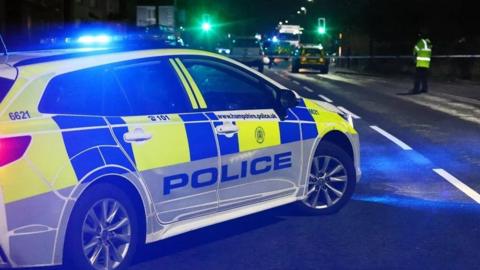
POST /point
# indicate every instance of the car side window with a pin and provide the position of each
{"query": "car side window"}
(227, 87)
(126, 89)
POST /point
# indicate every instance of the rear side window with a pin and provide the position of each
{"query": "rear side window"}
(126, 89)
(5, 85)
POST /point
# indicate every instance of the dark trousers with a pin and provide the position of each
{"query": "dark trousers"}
(421, 80)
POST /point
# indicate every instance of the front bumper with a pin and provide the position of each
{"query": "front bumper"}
(313, 66)
(355, 141)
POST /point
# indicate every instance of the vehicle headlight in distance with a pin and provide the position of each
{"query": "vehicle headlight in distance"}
(266, 60)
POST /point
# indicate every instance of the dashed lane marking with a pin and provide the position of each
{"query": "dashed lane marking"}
(308, 89)
(296, 82)
(354, 116)
(458, 184)
(326, 99)
(392, 138)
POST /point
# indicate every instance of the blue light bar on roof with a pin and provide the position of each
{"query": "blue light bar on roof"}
(98, 39)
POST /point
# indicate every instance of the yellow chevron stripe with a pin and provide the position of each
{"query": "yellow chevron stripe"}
(185, 85)
(198, 94)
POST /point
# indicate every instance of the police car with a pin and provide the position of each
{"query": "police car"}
(102, 152)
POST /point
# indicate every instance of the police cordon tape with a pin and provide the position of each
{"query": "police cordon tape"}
(385, 56)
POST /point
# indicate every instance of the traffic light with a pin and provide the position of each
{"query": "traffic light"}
(322, 26)
(206, 24)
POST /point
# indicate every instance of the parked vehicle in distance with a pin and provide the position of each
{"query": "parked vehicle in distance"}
(310, 57)
(248, 51)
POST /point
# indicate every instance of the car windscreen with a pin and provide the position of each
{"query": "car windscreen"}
(5, 85)
(246, 43)
(312, 52)
(289, 37)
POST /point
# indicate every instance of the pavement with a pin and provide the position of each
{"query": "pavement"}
(462, 90)
(416, 207)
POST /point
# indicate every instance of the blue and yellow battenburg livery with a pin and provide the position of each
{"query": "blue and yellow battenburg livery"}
(183, 170)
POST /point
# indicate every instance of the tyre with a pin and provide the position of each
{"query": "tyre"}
(332, 180)
(103, 231)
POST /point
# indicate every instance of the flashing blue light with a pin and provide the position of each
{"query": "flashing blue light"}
(275, 39)
(99, 39)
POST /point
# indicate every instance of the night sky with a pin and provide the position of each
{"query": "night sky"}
(392, 21)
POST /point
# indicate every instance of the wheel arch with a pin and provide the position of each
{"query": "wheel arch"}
(335, 137)
(126, 182)
(339, 139)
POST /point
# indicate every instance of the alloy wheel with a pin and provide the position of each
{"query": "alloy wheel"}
(106, 234)
(327, 182)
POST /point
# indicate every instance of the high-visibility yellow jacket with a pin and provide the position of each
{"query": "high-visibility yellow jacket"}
(423, 53)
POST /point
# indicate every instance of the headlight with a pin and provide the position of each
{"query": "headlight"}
(332, 108)
(348, 117)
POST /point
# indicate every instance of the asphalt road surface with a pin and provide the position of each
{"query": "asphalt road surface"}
(416, 207)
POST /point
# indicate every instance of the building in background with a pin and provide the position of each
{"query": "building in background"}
(93, 10)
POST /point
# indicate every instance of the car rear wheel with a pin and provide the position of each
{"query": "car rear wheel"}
(103, 231)
(332, 180)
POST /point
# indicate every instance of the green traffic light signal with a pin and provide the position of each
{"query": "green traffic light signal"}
(206, 26)
(322, 26)
(206, 22)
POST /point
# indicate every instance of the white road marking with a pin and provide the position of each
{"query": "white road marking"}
(354, 116)
(308, 89)
(458, 184)
(326, 99)
(392, 138)
(295, 82)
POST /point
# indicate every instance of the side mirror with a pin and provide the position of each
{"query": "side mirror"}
(286, 100)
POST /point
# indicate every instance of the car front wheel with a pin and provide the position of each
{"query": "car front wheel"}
(331, 181)
(103, 231)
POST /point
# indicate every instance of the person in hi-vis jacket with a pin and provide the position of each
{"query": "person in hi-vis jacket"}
(423, 54)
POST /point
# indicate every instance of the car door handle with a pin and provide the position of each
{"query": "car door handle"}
(138, 135)
(227, 129)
